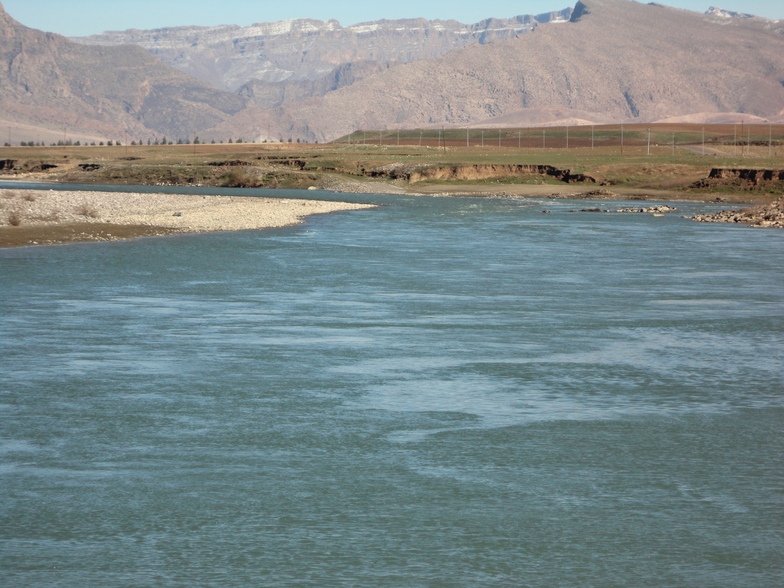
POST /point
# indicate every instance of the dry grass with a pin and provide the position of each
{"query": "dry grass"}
(14, 218)
(241, 178)
(88, 210)
(665, 167)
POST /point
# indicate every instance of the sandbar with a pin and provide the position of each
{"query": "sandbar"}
(47, 217)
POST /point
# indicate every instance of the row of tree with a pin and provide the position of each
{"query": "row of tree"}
(61, 143)
(196, 141)
(156, 141)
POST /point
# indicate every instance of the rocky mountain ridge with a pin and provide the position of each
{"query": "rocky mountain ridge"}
(229, 56)
(612, 61)
(615, 60)
(720, 12)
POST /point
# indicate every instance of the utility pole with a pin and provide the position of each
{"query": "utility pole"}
(499, 137)
(518, 139)
(703, 140)
(483, 137)
(673, 143)
(649, 140)
(468, 139)
(544, 141)
(591, 137)
(770, 138)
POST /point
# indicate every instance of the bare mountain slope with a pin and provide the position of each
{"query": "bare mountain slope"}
(306, 50)
(274, 94)
(50, 83)
(614, 60)
(619, 59)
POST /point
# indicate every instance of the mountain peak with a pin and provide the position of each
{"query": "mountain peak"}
(580, 10)
(714, 11)
(43, 85)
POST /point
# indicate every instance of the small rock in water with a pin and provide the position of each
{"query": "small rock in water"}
(651, 209)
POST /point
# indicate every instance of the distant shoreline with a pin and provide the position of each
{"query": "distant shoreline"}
(341, 184)
(658, 172)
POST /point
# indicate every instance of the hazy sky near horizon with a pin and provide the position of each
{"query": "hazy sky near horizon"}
(86, 17)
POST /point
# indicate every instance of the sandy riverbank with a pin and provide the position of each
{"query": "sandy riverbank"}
(43, 217)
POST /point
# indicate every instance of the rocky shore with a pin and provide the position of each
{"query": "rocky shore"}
(30, 217)
(770, 215)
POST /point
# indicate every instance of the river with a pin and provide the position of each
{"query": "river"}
(437, 392)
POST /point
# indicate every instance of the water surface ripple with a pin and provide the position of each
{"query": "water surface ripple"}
(439, 392)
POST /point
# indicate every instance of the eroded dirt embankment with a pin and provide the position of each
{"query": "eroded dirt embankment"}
(475, 173)
(744, 178)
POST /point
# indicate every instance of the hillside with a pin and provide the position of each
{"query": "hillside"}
(612, 61)
(53, 87)
(296, 51)
(615, 60)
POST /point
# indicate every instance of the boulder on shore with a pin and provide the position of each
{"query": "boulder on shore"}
(769, 215)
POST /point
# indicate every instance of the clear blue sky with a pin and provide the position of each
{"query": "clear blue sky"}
(85, 17)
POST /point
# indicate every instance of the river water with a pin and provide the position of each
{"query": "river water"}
(438, 392)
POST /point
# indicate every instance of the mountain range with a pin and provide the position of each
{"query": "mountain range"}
(229, 57)
(50, 86)
(600, 61)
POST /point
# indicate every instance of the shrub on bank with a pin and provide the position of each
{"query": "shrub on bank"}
(241, 178)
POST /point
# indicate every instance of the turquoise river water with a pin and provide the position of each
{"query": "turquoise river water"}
(437, 392)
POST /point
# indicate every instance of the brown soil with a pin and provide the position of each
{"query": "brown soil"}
(77, 232)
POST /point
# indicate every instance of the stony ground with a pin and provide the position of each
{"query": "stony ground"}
(40, 214)
(769, 215)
